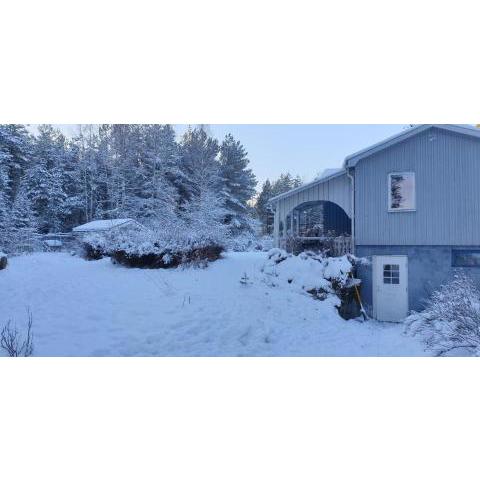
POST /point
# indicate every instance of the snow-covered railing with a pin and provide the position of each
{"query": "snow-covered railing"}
(342, 246)
(336, 246)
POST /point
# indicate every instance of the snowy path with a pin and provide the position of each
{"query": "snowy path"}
(96, 308)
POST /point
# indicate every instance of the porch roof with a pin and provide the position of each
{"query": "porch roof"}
(328, 175)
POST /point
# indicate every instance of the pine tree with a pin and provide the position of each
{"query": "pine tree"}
(238, 184)
(203, 203)
(269, 190)
(263, 209)
(21, 224)
(198, 163)
(14, 153)
(44, 181)
(157, 194)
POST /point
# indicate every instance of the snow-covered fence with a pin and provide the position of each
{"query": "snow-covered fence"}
(54, 242)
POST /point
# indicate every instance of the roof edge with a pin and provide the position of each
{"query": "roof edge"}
(354, 158)
(301, 188)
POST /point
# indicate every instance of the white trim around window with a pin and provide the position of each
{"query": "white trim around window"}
(404, 199)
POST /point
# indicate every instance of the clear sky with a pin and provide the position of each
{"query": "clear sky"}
(305, 150)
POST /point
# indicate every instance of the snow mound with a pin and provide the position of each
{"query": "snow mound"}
(307, 272)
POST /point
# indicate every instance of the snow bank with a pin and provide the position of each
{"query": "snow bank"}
(307, 272)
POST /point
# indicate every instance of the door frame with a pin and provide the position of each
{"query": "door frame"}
(377, 276)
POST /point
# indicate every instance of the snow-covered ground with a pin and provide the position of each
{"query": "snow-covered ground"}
(97, 308)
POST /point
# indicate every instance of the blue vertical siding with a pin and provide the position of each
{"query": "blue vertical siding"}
(429, 267)
(447, 176)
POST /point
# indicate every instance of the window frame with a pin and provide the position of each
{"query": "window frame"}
(391, 273)
(466, 251)
(389, 192)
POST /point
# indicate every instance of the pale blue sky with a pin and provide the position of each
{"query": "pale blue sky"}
(305, 150)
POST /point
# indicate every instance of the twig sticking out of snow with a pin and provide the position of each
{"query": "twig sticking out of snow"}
(11, 342)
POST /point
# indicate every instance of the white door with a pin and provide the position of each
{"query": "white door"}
(390, 288)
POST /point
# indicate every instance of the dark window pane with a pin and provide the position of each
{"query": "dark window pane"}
(466, 258)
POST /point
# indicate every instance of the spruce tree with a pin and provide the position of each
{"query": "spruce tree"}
(238, 184)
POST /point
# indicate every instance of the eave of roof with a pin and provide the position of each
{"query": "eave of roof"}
(102, 225)
(308, 185)
(354, 158)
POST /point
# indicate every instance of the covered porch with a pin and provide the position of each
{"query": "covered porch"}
(315, 216)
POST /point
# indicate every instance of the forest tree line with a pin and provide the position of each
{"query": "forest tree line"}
(50, 182)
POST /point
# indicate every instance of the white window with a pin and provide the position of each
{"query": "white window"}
(391, 274)
(401, 191)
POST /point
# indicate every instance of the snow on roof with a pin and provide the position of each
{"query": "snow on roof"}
(53, 243)
(324, 177)
(328, 172)
(102, 225)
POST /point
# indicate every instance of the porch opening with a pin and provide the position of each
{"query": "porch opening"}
(317, 225)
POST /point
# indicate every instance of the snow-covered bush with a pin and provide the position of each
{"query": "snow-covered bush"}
(451, 319)
(164, 248)
(96, 245)
(308, 272)
(317, 275)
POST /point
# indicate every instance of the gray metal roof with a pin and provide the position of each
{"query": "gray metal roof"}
(354, 158)
(335, 173)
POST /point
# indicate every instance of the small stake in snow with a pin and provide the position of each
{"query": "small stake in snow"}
(245, 280)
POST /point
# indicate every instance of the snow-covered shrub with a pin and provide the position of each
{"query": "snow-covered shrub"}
(165, 248)
(317, 275)
(451, 319)
(96, 245)
(309, 272)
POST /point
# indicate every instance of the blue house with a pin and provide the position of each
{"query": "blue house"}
(410, 204)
